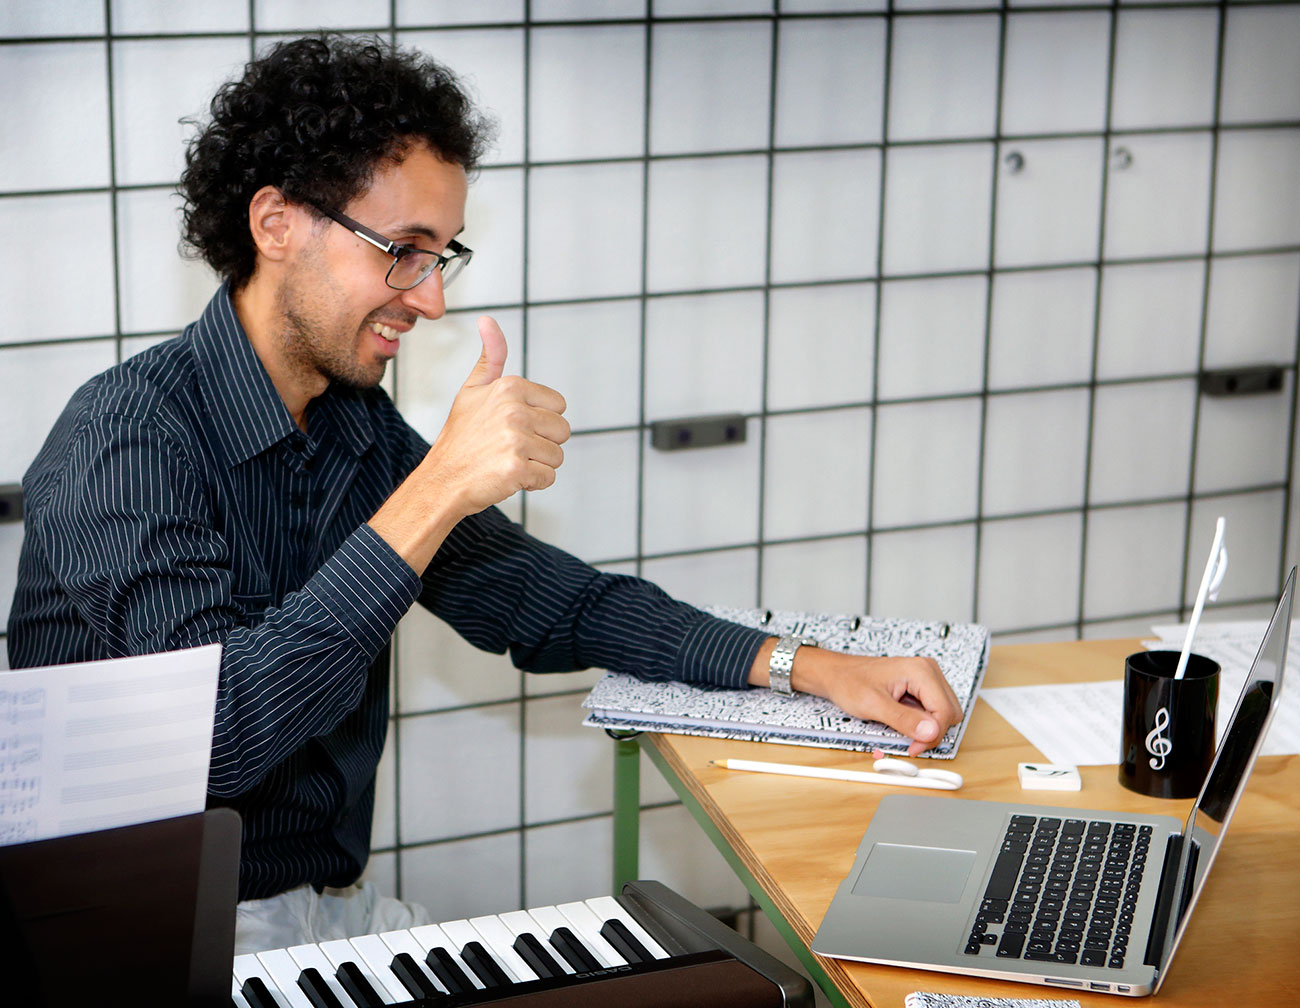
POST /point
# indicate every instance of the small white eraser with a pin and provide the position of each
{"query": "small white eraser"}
(1049, 777)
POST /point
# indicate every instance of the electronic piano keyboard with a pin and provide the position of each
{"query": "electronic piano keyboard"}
(649, 948)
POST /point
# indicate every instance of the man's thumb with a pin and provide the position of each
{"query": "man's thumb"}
(492, 360)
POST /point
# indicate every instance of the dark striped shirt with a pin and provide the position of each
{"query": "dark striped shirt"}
(176, 503)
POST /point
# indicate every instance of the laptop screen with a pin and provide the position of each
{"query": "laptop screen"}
(1226, 780)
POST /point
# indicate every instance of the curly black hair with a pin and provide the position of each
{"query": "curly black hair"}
(314, 117)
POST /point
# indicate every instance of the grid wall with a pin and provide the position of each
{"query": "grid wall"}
(960, 265)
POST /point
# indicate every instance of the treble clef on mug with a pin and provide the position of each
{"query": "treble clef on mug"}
(1157, 744)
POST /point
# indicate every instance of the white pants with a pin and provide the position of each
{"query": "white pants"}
(304, 917)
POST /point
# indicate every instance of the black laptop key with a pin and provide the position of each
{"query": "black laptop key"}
(574, 952)
(444, 966)
(624, 941)
(257, 995)
(484, 966)
(408, 971)
(317, 990)
(1002, 881)
(539, 960)
(1011, 945)
(359, 989)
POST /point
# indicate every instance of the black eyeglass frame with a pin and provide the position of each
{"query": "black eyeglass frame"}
(459, 253)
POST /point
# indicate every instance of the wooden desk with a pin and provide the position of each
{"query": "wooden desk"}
(792, 841)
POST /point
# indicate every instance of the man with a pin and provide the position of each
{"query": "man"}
(248, 483)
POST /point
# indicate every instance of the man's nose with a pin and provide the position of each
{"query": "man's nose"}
(426, 297)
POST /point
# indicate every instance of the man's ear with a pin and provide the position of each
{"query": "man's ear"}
(271, 222)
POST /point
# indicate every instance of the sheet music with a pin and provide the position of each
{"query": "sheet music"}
(1079, 723)
(102, 744)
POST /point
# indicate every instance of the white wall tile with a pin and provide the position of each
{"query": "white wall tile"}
(158, 290)
(825, 213)
(704, 354)
(1257, 203)
(829, 451)
(819, 62)
(1150, 319)
(725, 577)
(695, 8)
(149, 17)
(591, 353)
(1134, 560)
(1041, 327)
(820, 348)
(494, 229)
(383, 830)
(156, 84)
(568, 769)
(1029, 571)
(825, 575)
(587, 92)
(437, 668)
(139, 344)
(1243, 441)
(71, 17)
(944, 77)
(1141, 441)
(584, 231)
(426, 12)
(38, 382)
(699, 68)
(1253, 535)
(831, 6)
(932, 336)
(464, 878)
(1261, 75)
(1035, 444)
(700, 498)
(1158, 195)
(937, 208)
(924, 573)
(591, 509)
(1049, 208)
(1055, 72)
(927, 462)
(490, 64)
(706, 223)
(1164, 68)
(568, 861)
(1137, 627)
(1252, 316)
(459, 772)
(11, 541)
(307, 15)
(30, 286)
(561, 682)
(54, 119)
(577, 10)
(676, 852)
(381, 869)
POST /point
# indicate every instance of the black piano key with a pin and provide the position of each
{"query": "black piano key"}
(534, 953)
(624, 941)
(575, 953)
(317, 990)
(359, 989)
(484, 966)
(446, 969)
(408, 971)
(257, 995)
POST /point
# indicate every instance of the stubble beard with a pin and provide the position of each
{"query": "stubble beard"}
(315, 343)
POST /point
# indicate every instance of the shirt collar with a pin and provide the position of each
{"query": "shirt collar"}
(250, 416)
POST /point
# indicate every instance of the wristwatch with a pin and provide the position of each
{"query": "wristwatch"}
(782, 661)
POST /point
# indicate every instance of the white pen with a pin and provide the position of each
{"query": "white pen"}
(888, 771)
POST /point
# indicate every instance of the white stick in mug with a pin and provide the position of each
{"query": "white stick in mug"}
(1215, 568)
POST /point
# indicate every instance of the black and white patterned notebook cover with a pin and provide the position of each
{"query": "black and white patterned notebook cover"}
(621, 701)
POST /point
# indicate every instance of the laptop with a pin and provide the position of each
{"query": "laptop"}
(1083, 899)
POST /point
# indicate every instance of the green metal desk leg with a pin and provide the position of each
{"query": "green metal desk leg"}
(701, 817)
(627, 808)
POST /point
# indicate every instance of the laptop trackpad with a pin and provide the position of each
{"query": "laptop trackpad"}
(931, 874)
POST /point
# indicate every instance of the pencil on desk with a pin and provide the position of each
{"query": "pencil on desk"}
(939, 780)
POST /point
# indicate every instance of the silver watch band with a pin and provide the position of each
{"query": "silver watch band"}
(782, 661)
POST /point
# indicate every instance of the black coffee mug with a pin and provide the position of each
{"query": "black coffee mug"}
(1167, 739)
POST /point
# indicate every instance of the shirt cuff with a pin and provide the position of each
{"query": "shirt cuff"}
(367, 587)
(719, 653)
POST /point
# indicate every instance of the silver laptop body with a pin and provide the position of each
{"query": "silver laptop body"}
(917, 893)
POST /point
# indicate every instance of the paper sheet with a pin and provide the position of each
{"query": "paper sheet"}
(102, 744)
(1092, 711)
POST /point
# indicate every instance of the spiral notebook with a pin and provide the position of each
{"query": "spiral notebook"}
(620, 701)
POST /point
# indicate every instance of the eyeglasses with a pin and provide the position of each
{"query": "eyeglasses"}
(410, 264)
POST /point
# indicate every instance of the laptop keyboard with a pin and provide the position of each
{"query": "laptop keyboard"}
(1062, 891)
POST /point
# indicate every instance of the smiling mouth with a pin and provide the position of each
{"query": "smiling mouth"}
(385, 332)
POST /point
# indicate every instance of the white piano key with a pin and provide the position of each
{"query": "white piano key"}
(312, 956)
(462, 932)
(248, 965)
(550, 918)
(376, 957)
(340, 951)
(500, 940)
(236, 995)
(522, 922)
(608, 908)
(285, 972)
(405, 941)
(586, 925)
